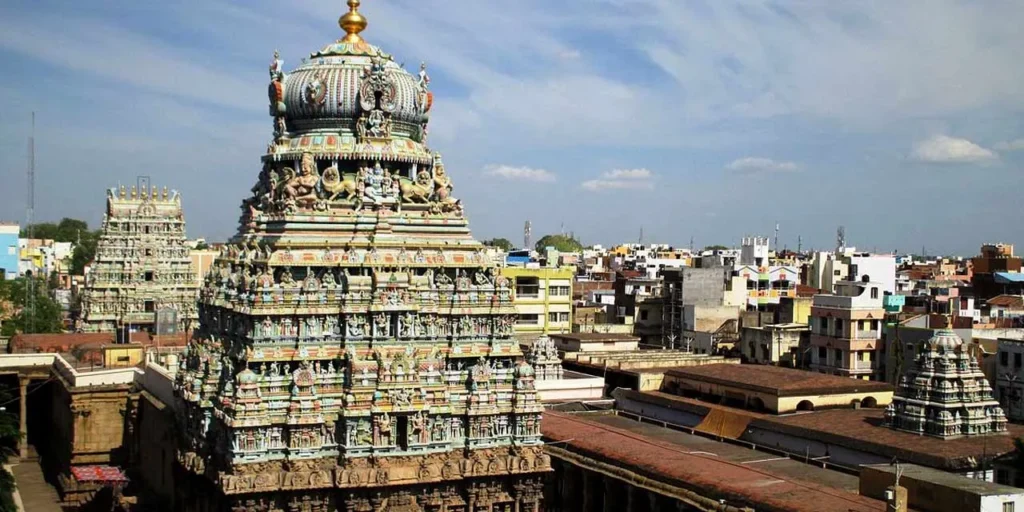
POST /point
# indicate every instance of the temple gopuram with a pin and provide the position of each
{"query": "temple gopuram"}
(142, 267)
(945, 394)
(354, 349)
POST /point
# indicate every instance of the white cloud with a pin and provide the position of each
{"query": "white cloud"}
(628, 174)
(509, 172)
(946, 149)
(621, 179)
(761, 164)
(1010, 145)
(598, 185)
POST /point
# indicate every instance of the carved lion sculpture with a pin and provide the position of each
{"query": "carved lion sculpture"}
(414, 192)
(334, 185)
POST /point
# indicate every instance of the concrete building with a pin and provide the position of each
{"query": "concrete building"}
(846, 331)
(931, 490)
(778, 344)
(594, 342)
(202, 260)
(1009, 383)
(9, 250)
(996, 270)
(542, 298)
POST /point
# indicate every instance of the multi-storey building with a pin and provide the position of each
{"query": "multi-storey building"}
(355, 349)
(542, 298)
(846, 331)
(141, 277)
(1009, 379)
(9, 250)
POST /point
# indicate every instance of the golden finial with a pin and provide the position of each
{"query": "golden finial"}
(352, 23)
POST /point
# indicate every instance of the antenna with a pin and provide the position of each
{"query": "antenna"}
(30, 305)
(840, 240)
(799, 244)
(641, 240)
(776, 244)
(527, 235)
(691, 244)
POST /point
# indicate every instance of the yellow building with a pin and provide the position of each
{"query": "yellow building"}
(543, 298)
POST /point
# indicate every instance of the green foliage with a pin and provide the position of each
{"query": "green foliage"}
(69, 230)
(500, 243)
(716, 248)
(10, 434)
(85, 250)
(200, 246)
(46, 317)
(561, 243)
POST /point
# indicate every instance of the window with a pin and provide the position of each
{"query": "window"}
(148, 276)
(839, 356)
(529, 319)
(1004, 359)
(1016, 360)
(824, 325)
(149, 251)
(123, 359)
(822, 353)
(874, 292)
(643, 314)
(558, 291)
(527, 287)
(558, 316)
(839, 326)
(1008, 506)
(836, 273)
(149, 306)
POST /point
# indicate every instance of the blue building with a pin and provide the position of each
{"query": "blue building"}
(9, 250)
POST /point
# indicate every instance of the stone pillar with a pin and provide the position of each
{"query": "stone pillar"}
(23, 417)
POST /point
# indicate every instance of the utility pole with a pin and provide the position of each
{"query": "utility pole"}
(30, 305)
(527, 235)
(799, 244)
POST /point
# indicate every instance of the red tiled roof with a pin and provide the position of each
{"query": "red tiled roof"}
(862, 429)
(776, 380)
(1010, 301)
(707, 475)
(60, 342)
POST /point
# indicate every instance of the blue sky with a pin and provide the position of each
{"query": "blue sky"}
(902, 121)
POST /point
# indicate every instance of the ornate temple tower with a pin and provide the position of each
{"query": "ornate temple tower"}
(945, 395)
(142, 266)
(355, 348)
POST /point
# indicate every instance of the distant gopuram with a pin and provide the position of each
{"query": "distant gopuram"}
(354, 349)
(945, 394)
(142, 268)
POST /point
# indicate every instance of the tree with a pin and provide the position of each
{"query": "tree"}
(500, 243)
(716, 248)
(85, 251)
(69, 230)
(561, 243)
(46, 316)
(10, 435)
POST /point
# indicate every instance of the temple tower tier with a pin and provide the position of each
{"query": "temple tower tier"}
(355, 346)
(142, 275)
(945, 394)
